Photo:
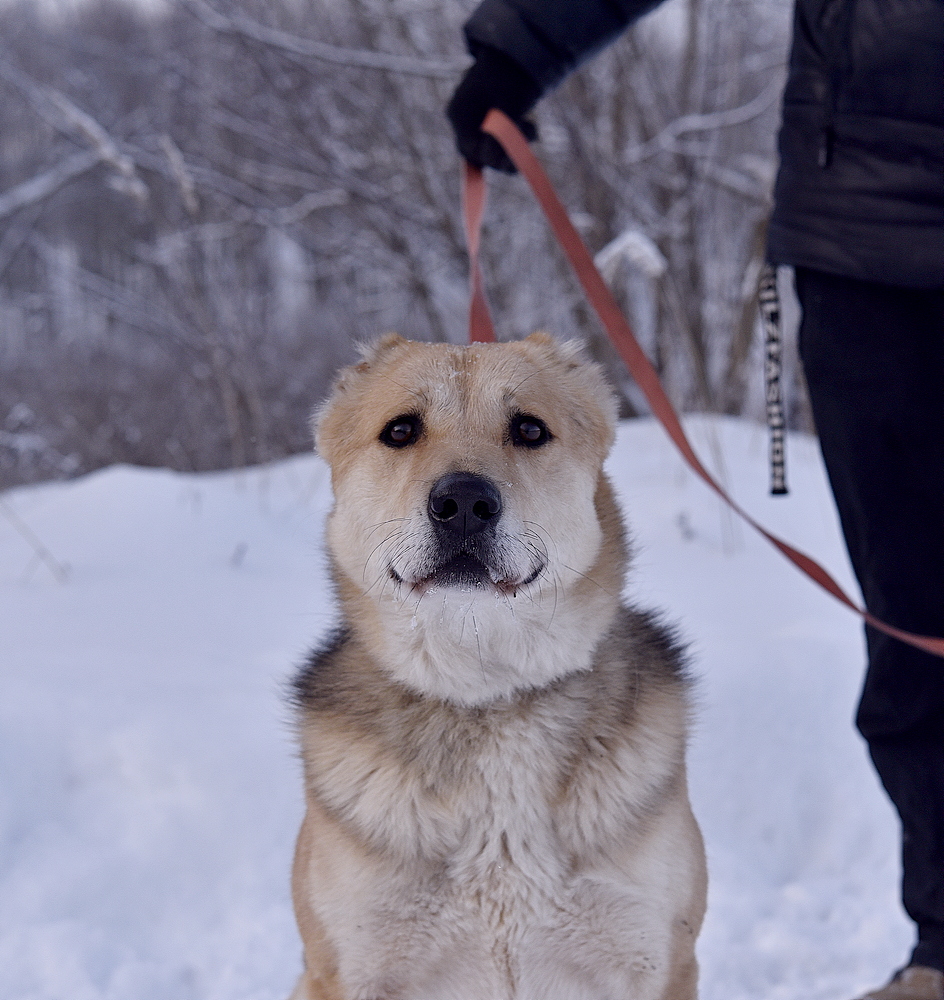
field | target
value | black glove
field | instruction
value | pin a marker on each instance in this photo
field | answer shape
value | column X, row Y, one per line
column 493, row 81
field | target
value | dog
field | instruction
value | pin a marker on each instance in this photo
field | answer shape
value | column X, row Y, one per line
column 493, row 744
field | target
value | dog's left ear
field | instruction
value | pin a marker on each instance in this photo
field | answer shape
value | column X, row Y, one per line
column 571, row 352
column 574, row 352
column 587, row 379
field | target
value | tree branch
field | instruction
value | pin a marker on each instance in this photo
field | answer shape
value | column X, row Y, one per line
column 178, row 166
column 663, row 142
column 362, row 58
column 47, row 183
column 66, row 116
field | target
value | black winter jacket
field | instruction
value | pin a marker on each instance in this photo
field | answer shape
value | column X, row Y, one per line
column 860, row 191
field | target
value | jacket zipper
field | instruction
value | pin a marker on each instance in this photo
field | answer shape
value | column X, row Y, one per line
column 838, row 58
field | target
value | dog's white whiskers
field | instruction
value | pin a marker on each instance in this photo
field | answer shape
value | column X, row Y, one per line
column 537, row 371
column 405, row 388
column 413, row 590
column 535, row 545
column 557, row 588
column 506, row 600
column 590, row 579
column 380, row 524
column 383, row 575
column 403, row 543
column 541, row 531
column 380, row 545
column 461, row 635
column 384, row 579
column 478, row 644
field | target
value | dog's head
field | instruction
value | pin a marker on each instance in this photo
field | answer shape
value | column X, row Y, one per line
column 469, row 497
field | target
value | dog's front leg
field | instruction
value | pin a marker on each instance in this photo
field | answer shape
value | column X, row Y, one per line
column 319, row 980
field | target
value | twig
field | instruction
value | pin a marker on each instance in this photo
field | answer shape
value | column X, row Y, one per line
column 705, row 123
column 45, row 184
column 362, row 58
column 59, row 570
column 178, row 166
column 101, row 141
column 307, row 204
column 67, row 116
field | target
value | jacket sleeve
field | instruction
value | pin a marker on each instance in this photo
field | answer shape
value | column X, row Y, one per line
column 549, row 38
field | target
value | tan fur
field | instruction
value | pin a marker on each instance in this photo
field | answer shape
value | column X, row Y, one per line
column 495, row 776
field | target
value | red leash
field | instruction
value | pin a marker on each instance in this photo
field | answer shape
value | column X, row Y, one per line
column 481, row 330
column 473, row 207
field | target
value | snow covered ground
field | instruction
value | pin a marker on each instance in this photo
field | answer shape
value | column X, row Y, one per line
column 149, row 789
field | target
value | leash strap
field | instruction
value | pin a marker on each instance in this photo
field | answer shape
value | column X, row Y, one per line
column 502, row 128
column 473, row 208
column 769, row 301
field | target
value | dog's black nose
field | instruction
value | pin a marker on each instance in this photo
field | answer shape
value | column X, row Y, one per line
column 464, row 503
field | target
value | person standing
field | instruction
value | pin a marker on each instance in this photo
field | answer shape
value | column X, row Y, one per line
column 859, row 214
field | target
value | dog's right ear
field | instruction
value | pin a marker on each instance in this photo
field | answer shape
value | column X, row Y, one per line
column 371, row 353
column 374, row 350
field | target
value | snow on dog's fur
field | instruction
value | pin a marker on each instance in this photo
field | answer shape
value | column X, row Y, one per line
column 493, row 744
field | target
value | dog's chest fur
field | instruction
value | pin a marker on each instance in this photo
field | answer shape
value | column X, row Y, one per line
column 490, row 808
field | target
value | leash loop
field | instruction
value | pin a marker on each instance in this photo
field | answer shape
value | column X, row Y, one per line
column 474, row 193
column 768, row 300
column 502, row 128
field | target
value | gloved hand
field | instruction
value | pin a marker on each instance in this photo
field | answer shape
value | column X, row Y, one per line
column 493, row 81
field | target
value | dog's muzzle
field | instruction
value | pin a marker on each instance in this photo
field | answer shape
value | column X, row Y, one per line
column 464, row 547
column 463, row 509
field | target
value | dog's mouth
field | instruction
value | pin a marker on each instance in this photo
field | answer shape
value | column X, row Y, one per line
column 462, row 571
column 467, row 572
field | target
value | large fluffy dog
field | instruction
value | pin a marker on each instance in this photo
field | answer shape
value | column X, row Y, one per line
column 493, row 745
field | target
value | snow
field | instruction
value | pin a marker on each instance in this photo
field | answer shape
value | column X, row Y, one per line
column 150, row 790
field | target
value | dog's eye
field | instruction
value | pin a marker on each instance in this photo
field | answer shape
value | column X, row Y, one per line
column 528, row 431
column 401, row 431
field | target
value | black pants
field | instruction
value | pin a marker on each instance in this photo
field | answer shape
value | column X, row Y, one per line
column 874, row 361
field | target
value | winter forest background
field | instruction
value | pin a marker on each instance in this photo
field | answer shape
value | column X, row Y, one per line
column 204, row 204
